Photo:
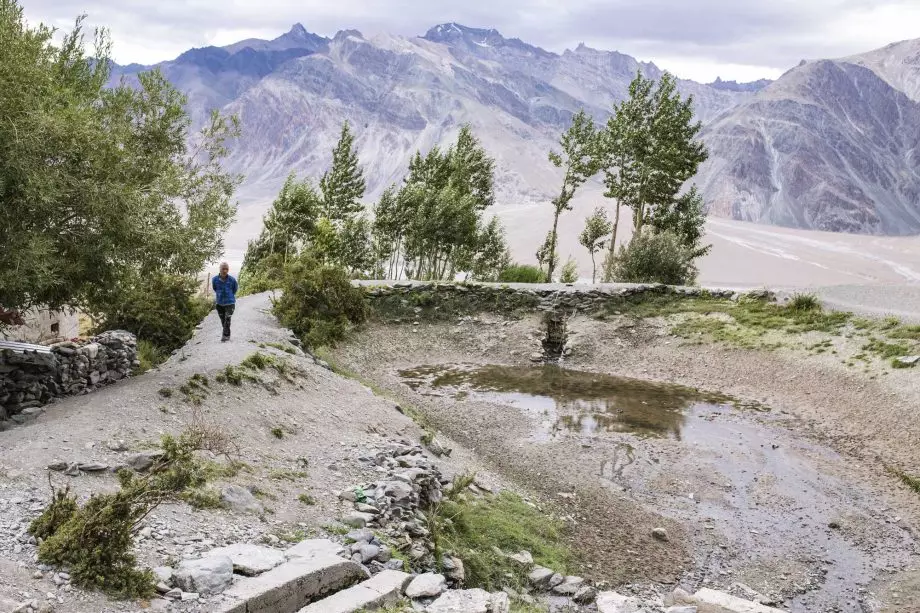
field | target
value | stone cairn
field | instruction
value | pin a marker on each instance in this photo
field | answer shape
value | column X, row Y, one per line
column 31, row 379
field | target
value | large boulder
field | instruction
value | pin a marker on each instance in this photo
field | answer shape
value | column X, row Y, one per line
column 205, row 576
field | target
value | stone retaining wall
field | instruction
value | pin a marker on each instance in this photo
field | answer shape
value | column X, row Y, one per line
column 412, row 299
column 29, row 380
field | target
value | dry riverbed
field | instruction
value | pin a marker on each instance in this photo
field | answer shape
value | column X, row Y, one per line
column 778, row 481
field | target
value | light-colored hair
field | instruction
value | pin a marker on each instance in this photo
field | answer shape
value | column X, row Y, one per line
column 222, row 264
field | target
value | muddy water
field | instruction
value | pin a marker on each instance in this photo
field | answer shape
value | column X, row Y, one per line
column 570, row 400
column 766, row 508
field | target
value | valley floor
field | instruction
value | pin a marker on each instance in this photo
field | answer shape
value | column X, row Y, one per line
column 799, row 503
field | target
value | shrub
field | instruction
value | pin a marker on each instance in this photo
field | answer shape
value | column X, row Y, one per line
column 94, row 541
column 161, row 309
column 522, row 273
column 149, row 356
column 569, row 272
column 652, row 257
column 267, row 274
column 319, row 303
column 804, row 302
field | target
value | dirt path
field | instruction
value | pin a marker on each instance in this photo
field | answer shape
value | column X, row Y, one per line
column 326, row 424
column 794, row 503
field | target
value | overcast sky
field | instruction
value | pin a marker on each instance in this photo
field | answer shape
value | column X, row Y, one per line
column 697, row 39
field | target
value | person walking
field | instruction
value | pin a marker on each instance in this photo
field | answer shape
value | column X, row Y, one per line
column 225, row 287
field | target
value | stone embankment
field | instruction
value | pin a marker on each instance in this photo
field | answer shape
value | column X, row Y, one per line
column 449, row 299
column 30, row 379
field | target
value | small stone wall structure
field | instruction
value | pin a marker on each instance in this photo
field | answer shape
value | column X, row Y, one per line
column 412, row 299
column 31, row 379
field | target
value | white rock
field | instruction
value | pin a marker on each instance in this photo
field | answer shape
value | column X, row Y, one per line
column 250, row 560
column 426, row 585
column 241, row 500
column 612, row 602
column 731, row 603
column 205, row 576
column 462, row 601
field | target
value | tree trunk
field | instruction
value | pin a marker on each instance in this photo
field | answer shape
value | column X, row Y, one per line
column 616, row 224
column 551, row 263
column 593, row 268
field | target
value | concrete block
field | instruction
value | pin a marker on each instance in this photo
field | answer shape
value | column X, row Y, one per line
column 293, row 585
column 384, row 588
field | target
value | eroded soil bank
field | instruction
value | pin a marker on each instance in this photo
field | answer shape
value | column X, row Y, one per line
column 776, row 479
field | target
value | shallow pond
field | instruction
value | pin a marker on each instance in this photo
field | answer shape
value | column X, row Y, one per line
column 572, row 400
column 796, row 522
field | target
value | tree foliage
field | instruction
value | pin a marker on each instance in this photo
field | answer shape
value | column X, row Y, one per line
column 581, row 161
column 592, row 238
column 431, row 227
column 649, row 147
column 99, row 185
column 343, row 184
column 648, row 151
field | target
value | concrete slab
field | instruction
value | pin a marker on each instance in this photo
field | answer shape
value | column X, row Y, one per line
column 293, row 585
column 384, row 588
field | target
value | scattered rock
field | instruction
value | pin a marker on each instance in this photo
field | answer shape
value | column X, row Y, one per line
column 359, row 536
column 569, row 586
column 585, row 595
column 470, row 601
column 164, row 574
column 142, row 462
column 357, row 519
column 539, row 577
column 427, row 585
column 660, row 534
column 206, row 576
column 612, row 602
column 908, row 360
column 241, row 500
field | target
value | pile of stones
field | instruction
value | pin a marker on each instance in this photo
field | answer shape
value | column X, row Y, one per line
column 396, row 503
column 31, row 379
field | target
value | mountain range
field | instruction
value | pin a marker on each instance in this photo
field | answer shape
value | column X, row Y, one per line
column 830, row 145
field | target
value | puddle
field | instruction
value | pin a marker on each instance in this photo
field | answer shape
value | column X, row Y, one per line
column 571, row 400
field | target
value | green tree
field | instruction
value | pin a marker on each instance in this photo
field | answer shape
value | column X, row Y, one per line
column 597, row 227
column 685, row 216
column 388, row 230
column 343, row 184
column 492, row 255
column 580, row 159
column 649, row 148
column 99, row 186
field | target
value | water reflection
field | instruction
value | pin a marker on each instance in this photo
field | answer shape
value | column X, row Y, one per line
column 565, row 399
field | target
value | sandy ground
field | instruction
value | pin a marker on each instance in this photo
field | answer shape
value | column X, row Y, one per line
column 743, row 254
column 795, row 503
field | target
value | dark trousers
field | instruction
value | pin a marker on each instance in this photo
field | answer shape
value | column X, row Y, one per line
column 225, row 312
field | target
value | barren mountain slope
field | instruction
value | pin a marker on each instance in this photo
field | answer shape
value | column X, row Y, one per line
column 829, row 146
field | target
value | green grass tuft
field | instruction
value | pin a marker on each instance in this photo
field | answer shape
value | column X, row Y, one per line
column 803, row 303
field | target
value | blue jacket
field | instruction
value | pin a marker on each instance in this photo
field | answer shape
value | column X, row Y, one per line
column 224, row 291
